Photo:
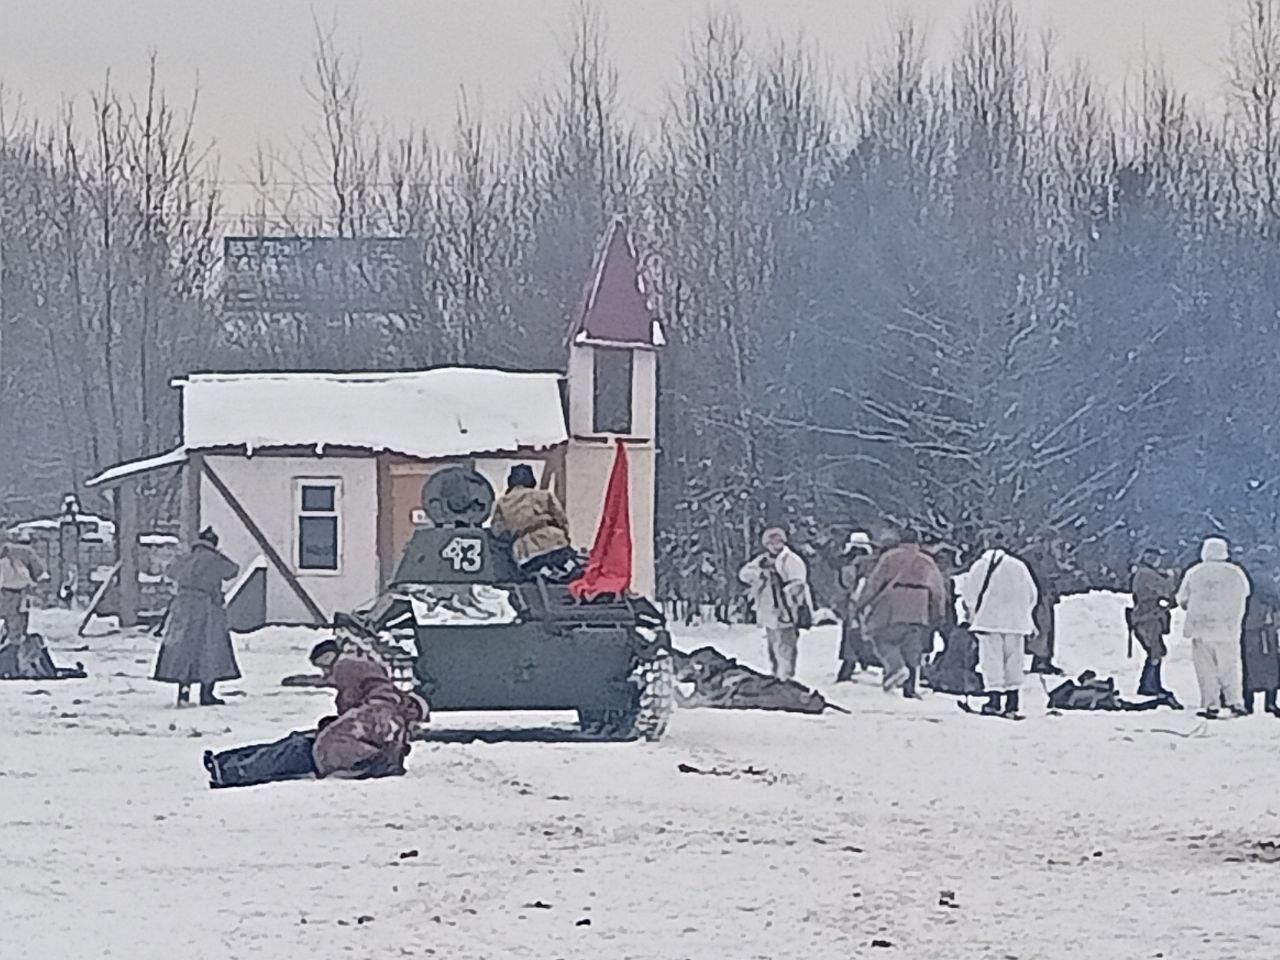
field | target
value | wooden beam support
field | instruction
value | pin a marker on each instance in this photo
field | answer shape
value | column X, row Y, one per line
column 190, row 520
column 97, row 599
column 386, row 519
column 127, row 551
column 265, row 545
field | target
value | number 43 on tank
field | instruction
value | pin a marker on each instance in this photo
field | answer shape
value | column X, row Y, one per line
column 466, row 554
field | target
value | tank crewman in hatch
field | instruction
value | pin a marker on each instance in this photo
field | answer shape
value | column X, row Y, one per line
column 537, row 524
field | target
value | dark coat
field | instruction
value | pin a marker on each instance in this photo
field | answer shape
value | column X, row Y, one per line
column 905, row 587
column 1260, row 640
column 856, row 568
column 369, row 740
column 349, row 676
column 1153, row 593
column 197, row 643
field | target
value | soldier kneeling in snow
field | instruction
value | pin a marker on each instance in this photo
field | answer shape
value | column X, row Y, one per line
column 368, row 738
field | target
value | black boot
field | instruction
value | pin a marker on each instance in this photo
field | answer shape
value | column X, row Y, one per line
column 1011, row 703
column 909, row 688
column 846, row 670
column 207, row 699
column 992, row 706
column 184, row 694
column 1149, row 684
column 211, row 765
column 1164, row 692
column 1045, row 666
column 1249, row 698
column 1269, row 703
column 1158, row 678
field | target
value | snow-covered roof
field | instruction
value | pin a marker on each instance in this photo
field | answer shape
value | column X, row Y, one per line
column 53, row 523
column 428, row 414
column 133, row 468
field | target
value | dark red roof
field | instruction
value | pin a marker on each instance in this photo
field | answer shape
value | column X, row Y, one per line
column 616, row 310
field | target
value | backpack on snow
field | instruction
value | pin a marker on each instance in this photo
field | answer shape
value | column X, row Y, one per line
column 954, row 669
column 1088, row 693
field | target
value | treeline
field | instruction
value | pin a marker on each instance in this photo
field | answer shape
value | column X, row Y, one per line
column 966, row 293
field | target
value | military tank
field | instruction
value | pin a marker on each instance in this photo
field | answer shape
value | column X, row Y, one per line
column 472, row 633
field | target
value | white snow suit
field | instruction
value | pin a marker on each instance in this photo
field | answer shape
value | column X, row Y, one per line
column 1004, row 618
column 1215, row 593
column 779, row 586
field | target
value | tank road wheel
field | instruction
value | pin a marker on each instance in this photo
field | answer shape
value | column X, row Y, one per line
column 653, row 700
column 656, row 688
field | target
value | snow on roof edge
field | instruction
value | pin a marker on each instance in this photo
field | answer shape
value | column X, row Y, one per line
column 251, row 450
column 132, row 468
column 350, row 376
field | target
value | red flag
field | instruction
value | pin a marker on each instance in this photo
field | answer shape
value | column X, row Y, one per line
column 609, row 565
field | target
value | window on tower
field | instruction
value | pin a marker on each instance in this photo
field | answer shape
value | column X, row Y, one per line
column 612, row 391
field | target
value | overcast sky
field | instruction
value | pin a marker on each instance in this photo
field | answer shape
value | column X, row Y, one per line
column 249, row 56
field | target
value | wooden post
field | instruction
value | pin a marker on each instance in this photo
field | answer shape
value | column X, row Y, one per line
column 386, row 517
column 191, row 471
column 126, row 495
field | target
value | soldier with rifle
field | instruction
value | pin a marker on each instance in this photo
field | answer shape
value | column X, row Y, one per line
column 1149, row 618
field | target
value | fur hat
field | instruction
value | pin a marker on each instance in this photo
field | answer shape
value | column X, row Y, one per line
column 521, row 475
column 207, row 535
column 324, row 648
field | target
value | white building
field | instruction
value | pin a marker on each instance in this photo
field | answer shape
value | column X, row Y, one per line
column 313, row 480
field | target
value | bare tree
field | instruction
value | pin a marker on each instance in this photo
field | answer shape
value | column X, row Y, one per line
column 1253, row 77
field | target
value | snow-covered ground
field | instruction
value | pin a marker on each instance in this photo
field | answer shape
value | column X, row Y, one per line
column 1124, row 836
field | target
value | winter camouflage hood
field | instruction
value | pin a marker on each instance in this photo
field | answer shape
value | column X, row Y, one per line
column 1215, row 548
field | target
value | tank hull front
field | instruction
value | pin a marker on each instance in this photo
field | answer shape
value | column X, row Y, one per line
column 523, row 666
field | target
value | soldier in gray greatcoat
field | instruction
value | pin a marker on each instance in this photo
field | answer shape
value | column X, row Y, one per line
column 197, row 642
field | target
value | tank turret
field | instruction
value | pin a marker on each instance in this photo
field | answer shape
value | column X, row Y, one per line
column 457, row 497
column 456, row 547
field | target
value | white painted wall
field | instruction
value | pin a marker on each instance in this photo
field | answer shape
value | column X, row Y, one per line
column 265, row 486
column 588, row 462
column 587, row 471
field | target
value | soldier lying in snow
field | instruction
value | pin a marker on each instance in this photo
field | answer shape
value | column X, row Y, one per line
column 28, row 659
column 368, row 738
column 707, row 678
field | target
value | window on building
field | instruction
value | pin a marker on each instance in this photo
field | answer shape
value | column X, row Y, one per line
column 318, row 524
column 612, row 391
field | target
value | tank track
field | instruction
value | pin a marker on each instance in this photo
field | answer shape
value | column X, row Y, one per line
column 652, row 705
column 656, row 683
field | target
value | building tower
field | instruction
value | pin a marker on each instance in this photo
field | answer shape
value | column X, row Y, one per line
column 612, row 395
